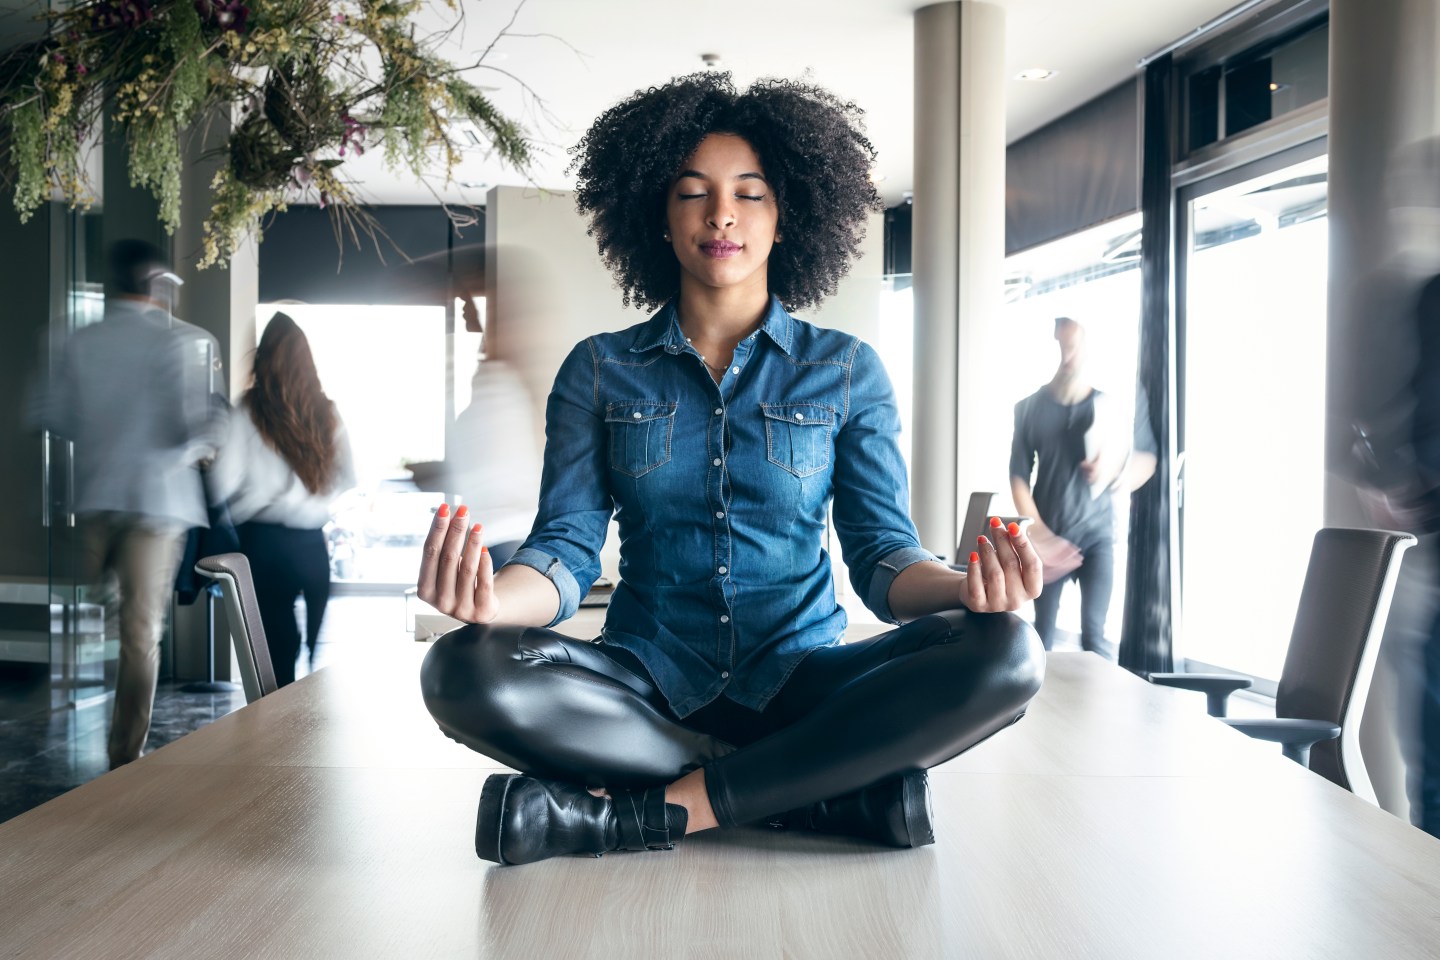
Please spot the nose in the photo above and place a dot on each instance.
(721, 213)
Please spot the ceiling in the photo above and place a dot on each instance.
(577, 57)
(580, 56)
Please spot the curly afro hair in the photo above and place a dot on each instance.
(811, 144)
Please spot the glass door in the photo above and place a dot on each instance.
(1251, 304)
(83, 652)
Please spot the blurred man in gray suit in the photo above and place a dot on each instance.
(133, 393)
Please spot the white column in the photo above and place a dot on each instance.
(959, 251)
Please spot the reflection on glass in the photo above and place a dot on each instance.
(1253, 411)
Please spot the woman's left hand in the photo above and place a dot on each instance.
(1004, 571)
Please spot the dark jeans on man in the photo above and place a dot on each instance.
(287, 562)
(1096, 577)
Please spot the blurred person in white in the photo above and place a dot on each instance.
(285, 458)
(494, 461)
(1086, 448)
(133, 393)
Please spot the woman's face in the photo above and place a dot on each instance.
(722, 215)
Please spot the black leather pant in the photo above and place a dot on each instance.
(848, 716)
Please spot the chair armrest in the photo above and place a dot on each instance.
(1217, 687)
(1295, 737)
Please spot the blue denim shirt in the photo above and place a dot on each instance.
(720, 492)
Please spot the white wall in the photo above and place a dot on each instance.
(546, 289)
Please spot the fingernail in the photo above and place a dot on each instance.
(484, 550)
(444, 511)
(1014, 529)
(974, 557)
(462, 513)
(475, 532)
(994, 522)
(982, 540)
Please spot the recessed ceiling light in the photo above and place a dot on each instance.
(1035, 73)
(712, 61)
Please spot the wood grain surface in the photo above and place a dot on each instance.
(332, 819)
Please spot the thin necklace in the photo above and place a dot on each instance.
(719, 369)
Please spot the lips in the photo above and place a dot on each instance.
(719, 249)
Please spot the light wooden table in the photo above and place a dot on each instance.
(332, 819)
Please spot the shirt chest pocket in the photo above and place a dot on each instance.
(797, 436)
(640, 434)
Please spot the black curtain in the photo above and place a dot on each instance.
(1074, 172)
(1147, 636)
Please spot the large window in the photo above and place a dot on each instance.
(384, 367)
(1253, 375)
(1092, 277)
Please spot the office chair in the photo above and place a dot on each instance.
(1331, 659)
(232, 572)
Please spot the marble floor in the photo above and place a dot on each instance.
(44, 752)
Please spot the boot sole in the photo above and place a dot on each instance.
(488, 818)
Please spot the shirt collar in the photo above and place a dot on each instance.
(663, 329)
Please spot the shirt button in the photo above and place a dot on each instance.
(724, 618)
(719, 411)
(735, 370)
(672, 349)
(719, 514)
(636, 414)
(724, 569)
(716, 461)
(799, 416)
(724, 674)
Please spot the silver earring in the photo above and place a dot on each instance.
(667, 236)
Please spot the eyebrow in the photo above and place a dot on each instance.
(697, 175)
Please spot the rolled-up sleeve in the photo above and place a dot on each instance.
(871, 510)
(575, 504)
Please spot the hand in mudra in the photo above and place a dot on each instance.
(1004, 571)
(457, 576)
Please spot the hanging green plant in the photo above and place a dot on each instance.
(307, 84)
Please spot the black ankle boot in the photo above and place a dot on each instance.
(522, 820)
(895, 812)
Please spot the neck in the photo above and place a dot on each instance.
(140, 298)
(724, 316)
(1069, 385)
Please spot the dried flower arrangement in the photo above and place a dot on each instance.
(307, 83)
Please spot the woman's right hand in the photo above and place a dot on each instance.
(457, 576)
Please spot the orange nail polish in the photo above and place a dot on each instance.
(444, 511)
(1014, 529)
(484, 550)
(982, 540)
(994, 522)
(974, 557)
(462, 513)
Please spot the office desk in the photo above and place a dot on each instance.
(331, 819)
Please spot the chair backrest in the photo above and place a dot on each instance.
(242, 610)
(1331, 660)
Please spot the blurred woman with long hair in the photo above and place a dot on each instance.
(285, 458)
